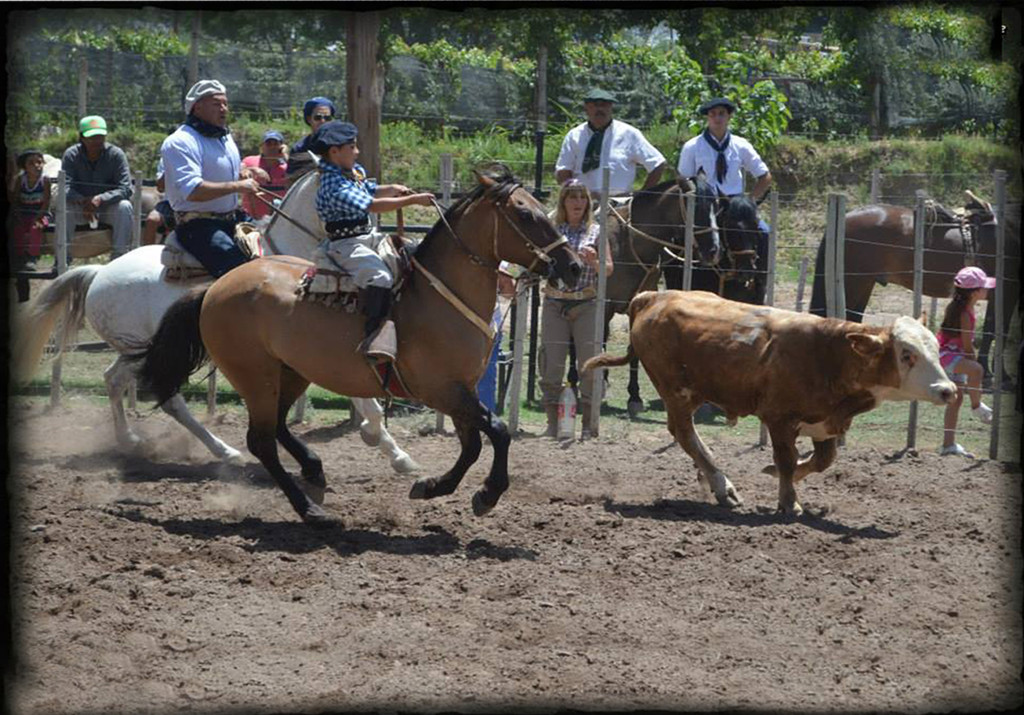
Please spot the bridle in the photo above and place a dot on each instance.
(540, 254)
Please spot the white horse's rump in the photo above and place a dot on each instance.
(124, 302)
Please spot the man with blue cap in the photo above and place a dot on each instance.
(603, 141)
(344, 201)
(202, 177)
(269, 168)
(315, 112)
(99, 183)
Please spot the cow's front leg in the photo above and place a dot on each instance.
(818, 461)
(709, 475)
(785, 454)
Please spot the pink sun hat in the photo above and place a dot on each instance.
(973, 277)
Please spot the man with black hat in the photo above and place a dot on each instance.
(604, 141)
(201, 173)
(99, 183)
(722, 155)
(344, 201)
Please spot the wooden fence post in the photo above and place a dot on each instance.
(211, 394)
(997, 372)
(918, 285)
(447, 179)
(691, 216)
(830, 255)
(840, 256)
(60, 242)
(602, 291)
(876, 181)
(800, 284)
(769, 297)
(522, 300)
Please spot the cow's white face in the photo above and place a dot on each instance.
(917, 360)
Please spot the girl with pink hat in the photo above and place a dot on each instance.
(956, 352)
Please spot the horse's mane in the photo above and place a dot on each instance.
(505, 184)
(703, 190)
(741, 209)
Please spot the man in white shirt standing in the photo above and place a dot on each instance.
(604, 141)
(722, 155)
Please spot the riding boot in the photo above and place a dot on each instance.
(552, 415)
(381, 342)
(589, 430)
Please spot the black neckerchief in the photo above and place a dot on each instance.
(720, 147)
(592, 154)
(205, 128)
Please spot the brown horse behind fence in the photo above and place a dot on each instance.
(270, 344)
(880, 249)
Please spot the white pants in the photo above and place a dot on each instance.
(118, 214)
(358, 257)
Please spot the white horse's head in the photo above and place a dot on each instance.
(284, 237)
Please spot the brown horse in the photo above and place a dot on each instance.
(270, 344)
(879, 249)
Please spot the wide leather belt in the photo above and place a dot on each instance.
(185, 216)
(337, 230)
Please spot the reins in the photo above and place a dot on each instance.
(540, 254)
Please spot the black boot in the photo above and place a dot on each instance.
(381, 342)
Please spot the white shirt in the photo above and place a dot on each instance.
(622, 149)
(740, 155)
(190, 159)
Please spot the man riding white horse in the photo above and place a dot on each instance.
(202, 165)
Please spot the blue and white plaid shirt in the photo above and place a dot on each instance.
(344, 197)
(579, 237)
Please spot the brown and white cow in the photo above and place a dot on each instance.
(801, 374)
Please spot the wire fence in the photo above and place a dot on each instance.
(797, 234)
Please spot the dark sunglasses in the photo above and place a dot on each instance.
(321, 117)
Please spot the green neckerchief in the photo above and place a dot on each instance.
(592, 155)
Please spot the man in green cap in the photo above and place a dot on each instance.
(604, 141)
(99, 183)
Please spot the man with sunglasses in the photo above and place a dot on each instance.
(316, 112)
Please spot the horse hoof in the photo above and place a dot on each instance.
(794, 511)
(404, 465)
(480, 506)
(634, 408)
(129, 442)
(233, 457)
(369, 438)
(315, 515)
(729, 501)
(419, 489)
(770, 470)
(314, 491)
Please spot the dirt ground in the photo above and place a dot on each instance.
(604, 580)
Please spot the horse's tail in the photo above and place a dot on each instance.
(817, 306)
(62, 300)
(176, 350)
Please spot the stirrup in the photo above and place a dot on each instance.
(382, 344)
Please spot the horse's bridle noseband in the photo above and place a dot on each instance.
(540, 252)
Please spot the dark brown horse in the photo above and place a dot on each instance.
(270, 344)
(880, 249)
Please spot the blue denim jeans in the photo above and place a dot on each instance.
(211, 242)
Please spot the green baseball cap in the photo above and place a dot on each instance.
(92, 125)
(598, 95)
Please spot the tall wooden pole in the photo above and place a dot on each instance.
(193, 52)
(364, 84)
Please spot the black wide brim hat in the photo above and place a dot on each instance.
(717, 102)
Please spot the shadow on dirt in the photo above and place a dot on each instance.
(299, 538)
(687, 510)
(320, 435)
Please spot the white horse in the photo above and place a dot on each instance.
(124, 302)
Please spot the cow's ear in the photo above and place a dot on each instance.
(865, 344)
